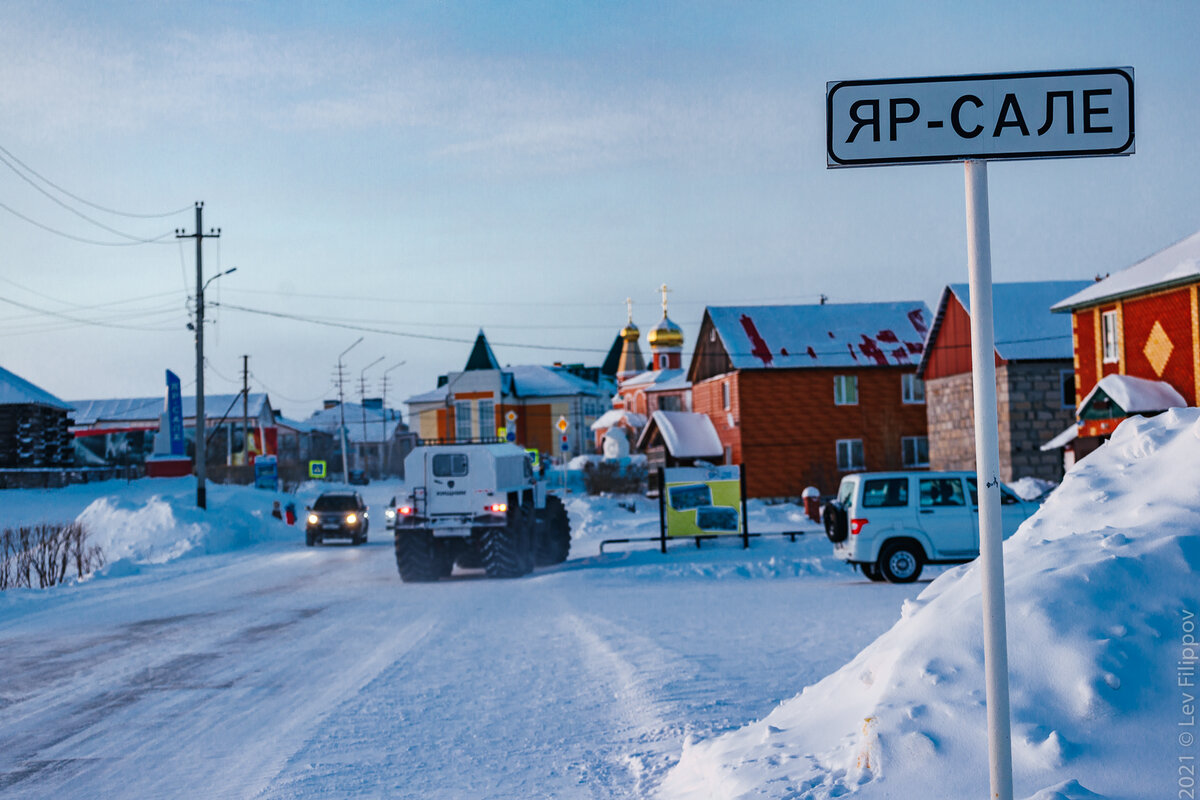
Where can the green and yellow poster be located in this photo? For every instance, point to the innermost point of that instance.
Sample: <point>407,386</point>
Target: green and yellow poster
<point>702,501</point>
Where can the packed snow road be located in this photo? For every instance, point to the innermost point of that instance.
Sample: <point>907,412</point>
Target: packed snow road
<point>280,671</point>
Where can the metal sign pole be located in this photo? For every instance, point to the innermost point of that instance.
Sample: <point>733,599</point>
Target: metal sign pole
<point>987,473</point>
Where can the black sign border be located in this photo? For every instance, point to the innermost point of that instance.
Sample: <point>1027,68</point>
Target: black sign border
<point>833,162</point>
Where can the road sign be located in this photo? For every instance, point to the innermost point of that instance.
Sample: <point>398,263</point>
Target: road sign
<point>563,444</point>
<point>1015,115</point>
<point>511,417</point>
<point>562,424</point>
<point>316,469</point>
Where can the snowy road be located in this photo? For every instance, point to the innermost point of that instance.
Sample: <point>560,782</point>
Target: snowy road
<point>281,671</point>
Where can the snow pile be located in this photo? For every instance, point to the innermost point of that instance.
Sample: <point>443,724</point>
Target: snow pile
<point>1029,488</point>
<point>1100,584</point>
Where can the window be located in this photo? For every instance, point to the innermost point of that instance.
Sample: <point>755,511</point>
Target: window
<point>728,454</point>
<point>1007,498</point>
<point>915,451</point>
<point>912,389</point>
<point>1108,327</point>
<point>670,402</point>
<point>449,465</point>
<point>1066,379</point>
<point>462,421</point>
<point>885,493</point>
<point>849,454</point>
<point>487,419</point>
<point>942,492</point>
<point>726,400</point>
<point>845,390</point>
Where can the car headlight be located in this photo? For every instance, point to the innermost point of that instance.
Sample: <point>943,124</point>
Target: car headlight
<point>313,519</point>
<point>351,519</point>
<point>390,514</point>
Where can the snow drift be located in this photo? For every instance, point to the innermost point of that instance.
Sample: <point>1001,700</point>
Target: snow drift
<point>1101,585</point>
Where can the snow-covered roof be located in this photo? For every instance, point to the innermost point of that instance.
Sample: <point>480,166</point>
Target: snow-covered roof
<point>1063,439</point>
<point>1136,395</point>
<point>378,425</point>
<point>615,416</point>
<point>15,390</point>
<point>686,434</point>
<point>659,380</point>
<point>134,409</point>
<point>1176,265</point>
<point>1025,329</point>
<point>529,380</point>
<point>831,335</point>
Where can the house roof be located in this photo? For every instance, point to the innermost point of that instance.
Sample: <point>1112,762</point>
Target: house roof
<point>1135,395</point>
<point>378,426</point>
<point>15,390</point>
<point>615,416</point>
<point>1025,329</point>
<point>481,356</point>
<point>830,335</point>
<point>660,380</point>
<point>528,380</point>
<point>134,409</point>
<point>686,434</point>
<point>1176,265</point>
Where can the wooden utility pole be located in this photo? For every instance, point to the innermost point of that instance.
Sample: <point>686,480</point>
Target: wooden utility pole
<point>245,410</point>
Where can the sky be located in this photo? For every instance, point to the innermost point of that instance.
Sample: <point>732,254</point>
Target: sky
<point>427,169</point>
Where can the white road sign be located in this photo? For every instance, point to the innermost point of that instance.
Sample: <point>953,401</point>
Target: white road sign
<point>1019,115</point>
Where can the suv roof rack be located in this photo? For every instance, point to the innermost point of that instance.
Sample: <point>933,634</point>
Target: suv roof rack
<point>448,442</point>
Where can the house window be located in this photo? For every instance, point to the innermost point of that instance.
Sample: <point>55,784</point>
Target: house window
<point>728,454</point>
<point>487,419</point>
<point>849,455</point>
<point>915,451</point>
<point>725,395</point>
<point>462,421</point>
<point>1066,379</point>
<point>670,402</point>
<point>845,390</point>
<point>912,389</point>
<point>1108,326</point>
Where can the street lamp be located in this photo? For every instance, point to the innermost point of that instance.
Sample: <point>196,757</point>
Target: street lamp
<point>201,422</point>
<point>362,395</point>
<point>383,448</point>
<point>342,411</point>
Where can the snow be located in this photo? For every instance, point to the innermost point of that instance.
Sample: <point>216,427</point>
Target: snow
<point>219,656</point>
<point>1030,488</point>
<point>149,409</point>
<point>1068,435</point>
<point>1100,584</point>
<point>685,434</point>
<point>1136,395</point>
<point>1174,265</point>
<point>615,416</point>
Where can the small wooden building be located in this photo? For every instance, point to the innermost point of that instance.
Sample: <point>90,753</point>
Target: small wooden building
<point>34,426</point>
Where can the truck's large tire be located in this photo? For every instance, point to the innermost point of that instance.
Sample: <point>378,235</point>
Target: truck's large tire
<point>507,551</point>
<point>553,533</point>
<point>471,554</point>
<point>419,558</point>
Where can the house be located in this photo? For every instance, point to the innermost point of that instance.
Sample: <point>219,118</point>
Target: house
<point>477,402</point>
<point>679,439</point>
<point>1142,322</point>
<point>34,426</point>
<point>804,394</point>
<point>1035,380</point>
<point>377,440</point>
<point>121,431</point>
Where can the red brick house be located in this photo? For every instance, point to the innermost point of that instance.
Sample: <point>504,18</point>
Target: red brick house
<point>1142,322</point>
<point>802,395</point>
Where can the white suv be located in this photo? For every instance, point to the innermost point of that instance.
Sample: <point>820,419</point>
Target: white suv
<point>893,523</point>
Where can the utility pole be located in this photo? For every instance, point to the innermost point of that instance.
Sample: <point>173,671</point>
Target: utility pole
<point>362,396</point>
<point>341,373</point>
<point>201,425</point>
<point>245,410</point>
<point>383,443</point>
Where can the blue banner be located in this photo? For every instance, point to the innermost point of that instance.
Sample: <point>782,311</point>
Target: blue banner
<point>175,414</point>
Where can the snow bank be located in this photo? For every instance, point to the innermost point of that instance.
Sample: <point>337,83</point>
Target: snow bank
<point>153,521</point>
<point>1029,488</point>
<point>1100,584</point>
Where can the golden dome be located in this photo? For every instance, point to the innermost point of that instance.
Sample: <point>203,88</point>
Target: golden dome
<point>630,332</point>
<point>666,334</point>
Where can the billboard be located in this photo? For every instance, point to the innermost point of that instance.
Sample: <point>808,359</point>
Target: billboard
<point>702,501</point>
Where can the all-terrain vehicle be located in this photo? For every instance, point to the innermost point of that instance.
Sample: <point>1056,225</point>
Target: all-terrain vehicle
<point>477,505</point>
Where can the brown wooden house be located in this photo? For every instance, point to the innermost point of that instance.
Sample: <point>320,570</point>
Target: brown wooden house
<point>802,395</point>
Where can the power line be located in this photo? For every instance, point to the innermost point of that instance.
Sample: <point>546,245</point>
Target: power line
<point>79,320</point>
<point>79,307</point>
<point>82,239</point>
<point>77,198</point>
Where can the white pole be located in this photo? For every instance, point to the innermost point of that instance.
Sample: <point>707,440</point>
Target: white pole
<point>987,471</point>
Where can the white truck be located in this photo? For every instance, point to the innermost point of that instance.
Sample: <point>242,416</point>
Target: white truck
<point>477,505</point>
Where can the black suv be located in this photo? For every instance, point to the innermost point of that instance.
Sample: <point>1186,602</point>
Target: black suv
<point>337,515</point>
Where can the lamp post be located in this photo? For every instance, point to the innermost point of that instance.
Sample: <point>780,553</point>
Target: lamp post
<point>383,448</point>
<point>362,396</point>
<point>342,412</point>
<point>201,422</point>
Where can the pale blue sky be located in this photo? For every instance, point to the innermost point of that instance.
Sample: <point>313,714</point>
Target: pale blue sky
<point>524,167</point>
